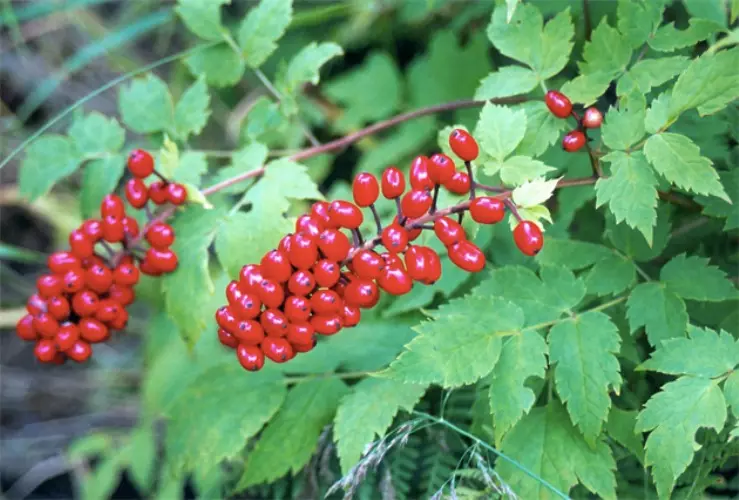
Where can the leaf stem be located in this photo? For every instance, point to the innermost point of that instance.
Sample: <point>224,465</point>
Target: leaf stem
<point>468,166</point>
<point>376,216</point>
<point>512,208</point>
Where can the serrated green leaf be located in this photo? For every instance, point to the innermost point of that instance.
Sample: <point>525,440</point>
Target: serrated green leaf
<point>571,254</point>
<point>146,105</point>
<point>244,160</point>
<point>236,246</point>
<point>583,351</point>
<point>264,117</point>
<point>499,130</point>
<point>630,191</point>
<point>203,17</point>
<point>367,413</point>
<point>220,65</point>
<point>715,10</point>
<point>190,168</point>
<point>99,177</point>
<point>542,129</point>
<point>507,81</point>
<point>611,275</point>
<point>659,310</point>
<point>692,278</point>
<point>587,88</point>
<point>704,353</point>
<point>709,84</point>
<point>207,408</point>
<point>717,207</point>
<point>262,27</point>
<point>289,440</point>
<point>523,356</point>
<point>305,66</point>
<point>674,415</point>
<point>607,52</point>
<point>632,243</point>
<point>650,73</point>
<point>284,179</point>
<point>535,214</point>
<point>517,170</point>
<point>620,427</point>
<point>169,157</point>
<point>94,134</point>
<point>192,110</point>
<point>678,159</point>
<point>47,161</point>
<point>444,354</point>
<point>731,392</point>
<point>658,114</point>
<point>534,192</point>
<point>668,38</point>
<point>637,20</point>
<point>544,434</point>
<point>623,127</point>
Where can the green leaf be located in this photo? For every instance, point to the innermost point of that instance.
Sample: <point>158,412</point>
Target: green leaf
<point>353,352</point>
<point>632,242</point>
<point>142,456</point>
<point>717,207</point>
<point>637,20</point>
<point>88,446</point>
<point>535,192</point>
<point>674,415</point>
<point>367,413</point>
<point>678,160</point>
<point>650,73</point>
<point>289,440</point>
<point>146,105</point>
<point>191,282</point>
<point>283,180</point>
<point>445,354</point>
<point>95,134</point>
<point>572,254</point>
<point>262,27</point>
<point>523,356</point>
<point>668,38</point>
<point>630,191</point>
<point>714,10</point>
<point>544,48</point>
<point>305,66</point>
<point>244,160</point>
<point>709,84</point>
<point>507,81</point>
<point>587,88</point>
<point>606,53</point>
<point>218,412</point>
<point>517,170</point>
<point>586,368</point>
<point>658,114</point>
<point>220,65</point>
<point>47,161</point>
<point>264,117</point>
<point>542,129</point>
<point>192,110</point>
<point>692,278</point>
<point>659,310</point>
<point>203,17</point>
<point>704,353</point>
<point>623,127</point>
<point>620,427</point>
<point>190,168</point>
<point>169,157</point>
<point>731,392</point>
<point>99,177</point>
<point>236,247</point>
<point>611,275</point>
<point>104,478</point>
<point>547,444</point>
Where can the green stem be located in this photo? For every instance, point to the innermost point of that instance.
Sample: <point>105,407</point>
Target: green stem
<point>314,376</point>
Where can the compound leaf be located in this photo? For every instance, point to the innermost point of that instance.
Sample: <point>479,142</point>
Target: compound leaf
<point>659,310</point>
<point>146,105</point>
<point>203,17</point>
<point>692,278</point>
<point>262,27</point>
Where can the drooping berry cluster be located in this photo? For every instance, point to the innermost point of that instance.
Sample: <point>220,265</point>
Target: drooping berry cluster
<point>141,165</point>
<point>561,107</point>
<point>317,280</point>
<point>84,296</point>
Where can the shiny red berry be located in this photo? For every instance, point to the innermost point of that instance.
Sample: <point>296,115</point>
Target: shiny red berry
<point>160,235</point>
<point>164,260</point>
<point>367,264</point>
<point>528,238</point>
<point>319,211</point>
<point>433,266</point>
<point>309,225</point>
<point>35,304</point>
<point>419,174</point>
<point>391,259</point>
<point>49,285</point>
<point>45,324</point>
<point>93,331</point>
<point>79,352</point>
<point>303,251</point>
<point>459,183</point>
<point>85,303</point>
<point>126,274</point>
<point>573,141</point>
<point>327,324</point>
<point>137,193</point>
<point>326,302</point>
<point>140,163</point>
<point>393,183</point>
<point>326,273</point>
<point>441,168</point>
<point>449,231</point>
<point>278,350</point>
<point>274,322</point>
<point>395,280</point>
<point>270,293</point>
<point>24,328</point>
<point>114,230</point>
<point>592,118</point>
<point>124,295</point>
<point>73,280</point>
<point>120,321</point>
<point>45,350</point>
<point>558,104</point>
<point>463,144</point>
<point>276,266</point>
<point>67,336</point>
<point>285,243</point>
<point>58,307</point>
<point>333,244</point>
<point>345,214</point>
<point>251,357</point>
<point>250,277</point>
<point>226,319</point>
<point>93,229</point>
<point>112,204</point>
<point>80,245</point>
<point>415,203</point>
<point>176,193</point>
<point>158,192</point>
<point>97,260</point>
<point>61,262</point>
<point>227,338</point>
<point>108,311</point>
<point>365,189</point>
<point>395,238</point>
<point>416,263</point>
<point>130,227</point>
<point>301,333</point>
<point>487,210</point>
<point>350,315</point>
<point>249,332</point>
<point>99,278</point>
<point>247,307</point>
<point>301,283</point>
<point>233,292</point>
<point>467,256</point>
<point>297,308</point>
<point>361,293</point>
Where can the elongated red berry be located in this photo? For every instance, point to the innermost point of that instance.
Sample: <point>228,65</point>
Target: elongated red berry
<point>275,265</point>
<point>301,333</point>
<point>558,104</point>
<point>350,316</point>
<point>416,263</point>
<point>120,321</point>
<point>274,322</point>
<point>158,192</point>
<point>45,350</point>
<point>467,256</point>
<point>126,274</point>
<point>303,252</point>
<point>61,262</point>
<point>419,174</point>
<point>140,163</point>
<point>345,214</point>
<point>573,141</point>
<point>278,350</point>
<point>24,328</point>
<point>250,277</point>
<point>80,244</point>
<point>326,302</point>
<point>393,183</point>
<point>459,183</point>
<point>251,357</point>
<point>112,204</point>
<point>395,238</point>
<point>528,238</point>
<point>441,168</point>
<point>326,273</point>
<point>124,295</point>
<point>415,203</point>
<point>49,285</point>
<point>361,293</point>
<point>99,278</point>
<point>247,307</point>
<point>79,352</point>
<point>297,308</point>
<point>463,144</point>
<point>113,229</point>
<point>367,264</point>
<point>270,293</point>
<point>164,260</point>
<point>176,193</point>
<point>227,338</point>
<point>93,331</point>
<point>73,280</point>
<point>93,229</point>
<point>45,324</point>
<point>449,231</point>
<point>35,304</point>
<point>160,235</point>
<point>137,193</point>
<point>365,189</point>
<point>301,283</point>
<point>319,211</point>
<point>433,266</point>
<point>395,280</point>
<point>592,118</point>
<point>333,244</point>
<point>67,336</point>
<point>249,331</point>
<point>310,225</point>
<point>226,319</point>
<point>107,311</point>
<point>59,308</point>
<point>327,324</point>
<point>487,210</point>
<point>131,227</point>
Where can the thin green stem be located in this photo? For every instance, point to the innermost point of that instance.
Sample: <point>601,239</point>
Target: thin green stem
<point>314,376</point>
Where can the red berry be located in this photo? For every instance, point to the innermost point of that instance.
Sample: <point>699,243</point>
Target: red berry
<point>247,307</point>
<point>395,238</point>
<point>158,192</point>
<point>365,189</point>
<point>113,229</point>
<point>85,303</point>
<point>35,304</point>
<point>301,283</point>
<point>326,324</point>
<point>528,238</point>
<point>419,174</point>
<point>459,183</point>
<point>326,302</point>
<point>463,144</point>
<point>227,338</point>
<point>250,357</point>
<point>350,316</point>
<point>93,330</point>
<point>226,319</point>
<point>274,322</point>
<point>108,310</point>
<point>176,193</point>
<point>393,183</point>
<point>233,293</point>
<point>45,351</point>
<point>319,211</point>
<point>140,163</point>
<point>487,210</point>
<point>333,244</point>
<point>80,351</point>
<point>449,231</point>
<point>126,274</point>
<point>58,307</point>
<point>592,118</point>
<point>361,293</point>
<point>80,244</point>
<point>301,333</point>
<point>67,336</point>
<point>73,280</point>
<point>270,293</point>
<point>367,264</point>
<point>395,280</point>
<point>249,332</point>
<point>309,225</point>
<point>415,203</point>
<point>250,277</point>
<point>558,104</point>
<point>120,321</point>
<point>95,260</point>
<point>24,328</point>
<point>137,193</point>
<point>124,295</point>
<point>160,235</point>
<point>391,259</point>
<point>466,255</point>
<point>49,285</point>
<point>93,229</point>
<point>433,266</point>
<point>285,243</point>
<point>45,324</point>
<point>345,214</point>
<point>278,350</point>
<point>130,227</point>
<point>61,262</point>
<point>573,141</point>
<point>297,308</point>
<point>112,204</point>
<point>276,266</point>
<point>416,263</point>
<point>326,273</point>
<point>99,278</point>
<point>164,260</point>
<point>303,251</point>
<point>441,168</point>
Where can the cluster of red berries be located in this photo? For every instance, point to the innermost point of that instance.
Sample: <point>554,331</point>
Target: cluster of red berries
<point>561,107</point>
<point>85,295</point>
<point>141,165</point>
<point>317,281</point>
